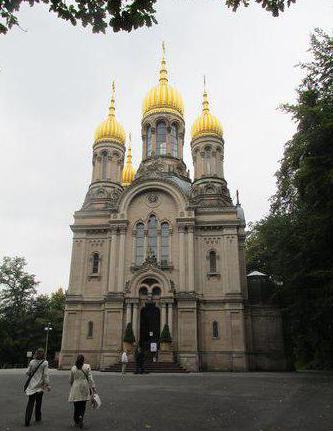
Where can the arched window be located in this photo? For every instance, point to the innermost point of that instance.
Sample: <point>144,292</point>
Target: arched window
<point>152,234</point>
<point>139,246</point>
<point>215,329</point>
<point>90,329</point>
<point>164,243</point>
<point>161,134</point>
<point>156,292</point>
<point>212,261</point>
<point>207,160</point>
<point>174,140</point>
<point>148,141</point>
<point>104,164</point>
<point>95,263</point>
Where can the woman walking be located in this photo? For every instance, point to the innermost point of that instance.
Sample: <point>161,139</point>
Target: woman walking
<point>82,387</point>
<point>38,382</point>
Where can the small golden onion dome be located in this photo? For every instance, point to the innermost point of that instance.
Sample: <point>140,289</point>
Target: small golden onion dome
<point>163,98</point>
<point>206,123</point>
<point>110,129</point>
<point>128,171</point>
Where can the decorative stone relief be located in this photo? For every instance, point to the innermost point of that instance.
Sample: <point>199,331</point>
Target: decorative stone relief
<point>152,199</point>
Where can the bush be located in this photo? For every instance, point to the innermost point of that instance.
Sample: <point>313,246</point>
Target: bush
<point>129,335</point>
<point>165,335</point>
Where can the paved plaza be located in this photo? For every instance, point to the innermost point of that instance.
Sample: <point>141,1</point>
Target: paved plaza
<point>190,402</point>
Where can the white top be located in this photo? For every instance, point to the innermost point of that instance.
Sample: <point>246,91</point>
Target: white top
<point>41,377</point>
<point>153,347</point>
<point>124,358</point>
<point>81,381</point>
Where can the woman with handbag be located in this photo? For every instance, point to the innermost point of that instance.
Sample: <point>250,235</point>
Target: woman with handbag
<point>82,388</point>
<point>37,383</point>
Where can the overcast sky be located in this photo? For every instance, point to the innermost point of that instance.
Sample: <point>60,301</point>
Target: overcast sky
<point>55,83</point>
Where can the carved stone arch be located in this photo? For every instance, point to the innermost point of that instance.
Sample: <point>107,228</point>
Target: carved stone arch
<point>167,187</point>
<point>116,154</point>
<point>154,273</point>
<point>208,148</point>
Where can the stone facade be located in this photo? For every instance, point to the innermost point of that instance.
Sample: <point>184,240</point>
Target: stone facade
<point>171,244</point>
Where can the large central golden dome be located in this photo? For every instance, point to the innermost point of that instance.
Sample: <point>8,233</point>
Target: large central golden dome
<point>206,123</point>
<point>163,97</point>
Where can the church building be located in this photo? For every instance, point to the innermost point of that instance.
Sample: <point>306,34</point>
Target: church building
<point>155,247</point>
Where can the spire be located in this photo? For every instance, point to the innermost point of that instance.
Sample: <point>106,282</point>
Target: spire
<point>111,107</point>
<point>205,103</point>
<point>237,197</point>
<point>163,69</point>
<point>129,151</point>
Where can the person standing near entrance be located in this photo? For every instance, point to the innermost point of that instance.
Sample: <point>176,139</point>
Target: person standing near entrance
<point>82,387</point>
<point>139,361</point>
<point>37,383</point>
<point>124,362</point>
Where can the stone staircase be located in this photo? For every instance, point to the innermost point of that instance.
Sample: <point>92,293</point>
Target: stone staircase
<point>150,367</point>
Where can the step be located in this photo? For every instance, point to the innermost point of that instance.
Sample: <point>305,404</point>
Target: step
<point>149,367</point>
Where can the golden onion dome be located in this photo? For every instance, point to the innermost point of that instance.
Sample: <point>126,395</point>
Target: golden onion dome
<point>110,129</point>
<point>163,97</point>
<point>206,123</point>
<point>128,171</point>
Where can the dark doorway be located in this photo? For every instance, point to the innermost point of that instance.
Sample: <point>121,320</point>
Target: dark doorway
<point>149,323</point>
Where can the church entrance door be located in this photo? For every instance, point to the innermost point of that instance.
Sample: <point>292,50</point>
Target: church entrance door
<point>149,325</point>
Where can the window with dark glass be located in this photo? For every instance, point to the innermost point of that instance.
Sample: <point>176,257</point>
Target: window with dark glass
<point>95,263</point>
<point>164,243</point>
<point>212,261</point>
<point>90,329</point>
<point>215,329</point>
<point>152,234</point>
<point>148,141</point>
<point>161,134</point>
<point>174,140</point>
<point>139,246</point>
<point>104,164</point>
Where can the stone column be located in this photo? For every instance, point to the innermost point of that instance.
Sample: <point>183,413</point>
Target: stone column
<point>214,163</point>
<point>145,246</point>
<point>135,321</point>
<point>170,317</point>
<point>121,258</point>
<point>99,167</point>
<point>182,286</point>
<point>112,264</point>
<point>163,316</point>
<point>202,169</point>
<point>190,254</point>
<point>128,313</point>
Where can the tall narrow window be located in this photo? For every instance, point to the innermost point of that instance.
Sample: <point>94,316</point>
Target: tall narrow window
<point>161,134</point>
<point>212,261</point>
<point>208,161</point>
<point>174,140</point>
<point>104,164</point>
<point>90,329</point>
<point>139,246</point>
<point>164,243</point>
<point>152,234</point>
<point>95,263</point>
<point>148,141</point>
<point>215,329</point>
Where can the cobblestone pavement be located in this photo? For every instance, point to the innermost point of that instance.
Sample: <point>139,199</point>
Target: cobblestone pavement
<point>191,402</point>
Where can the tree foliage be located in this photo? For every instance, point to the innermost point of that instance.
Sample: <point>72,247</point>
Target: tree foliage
<point>129,334</point>
<point>24,315</point>
<point>115,14</point>
<point>165,335</point>
<point>294,243</point>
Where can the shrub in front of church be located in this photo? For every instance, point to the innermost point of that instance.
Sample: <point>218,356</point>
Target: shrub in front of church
<point>165,335</point>
<point>129,334</point>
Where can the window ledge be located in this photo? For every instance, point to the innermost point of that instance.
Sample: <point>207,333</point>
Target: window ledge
<point>213,274</point>
<point>96,276</point>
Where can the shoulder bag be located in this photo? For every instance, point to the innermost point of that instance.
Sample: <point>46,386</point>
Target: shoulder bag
<point>25,387</point>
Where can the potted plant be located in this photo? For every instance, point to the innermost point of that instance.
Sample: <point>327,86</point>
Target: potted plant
<point>165,339</point>
<point>129,338</point>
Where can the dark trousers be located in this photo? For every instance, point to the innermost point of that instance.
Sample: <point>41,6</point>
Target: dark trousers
<point>36,397</point>
<point>79,410</point>
<point>139,367</point>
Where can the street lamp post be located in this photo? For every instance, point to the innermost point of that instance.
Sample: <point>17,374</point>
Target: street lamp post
<point>47,329</point>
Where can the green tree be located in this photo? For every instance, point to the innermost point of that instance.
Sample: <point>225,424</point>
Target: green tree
<point>129,334</point>
<point>165,335</point>
<point>294,243</point>
<point>117,14</point>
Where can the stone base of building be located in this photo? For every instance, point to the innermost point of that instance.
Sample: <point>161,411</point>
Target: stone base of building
<point>223,361</point>
<point>189,361</point>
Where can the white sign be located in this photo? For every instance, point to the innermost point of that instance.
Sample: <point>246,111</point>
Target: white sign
<point>153,347</point>
<point>151,334</point>
<point>29,354</point>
